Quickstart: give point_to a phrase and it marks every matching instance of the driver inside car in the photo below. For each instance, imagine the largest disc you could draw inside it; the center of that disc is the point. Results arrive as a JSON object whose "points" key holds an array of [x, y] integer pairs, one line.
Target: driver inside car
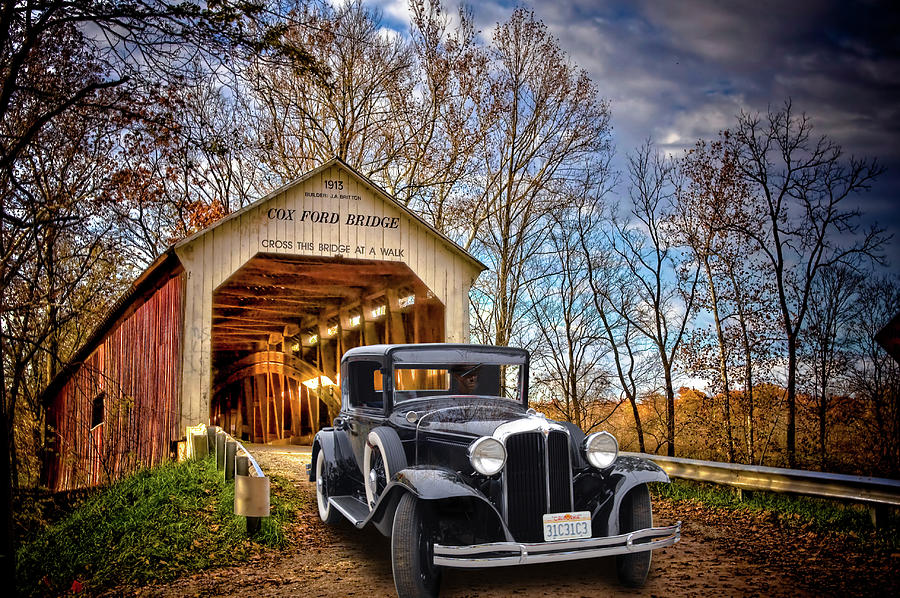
{"points": [[465, 379]]}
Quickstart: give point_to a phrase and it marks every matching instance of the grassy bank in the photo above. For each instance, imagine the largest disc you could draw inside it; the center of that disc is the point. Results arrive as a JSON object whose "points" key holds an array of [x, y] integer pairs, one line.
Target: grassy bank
{"points": [[810, 514], [154, 526]]}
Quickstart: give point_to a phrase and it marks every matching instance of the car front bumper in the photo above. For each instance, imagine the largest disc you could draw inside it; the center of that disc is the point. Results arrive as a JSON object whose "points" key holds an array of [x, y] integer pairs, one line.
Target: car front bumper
{"points": [[501, 554]]}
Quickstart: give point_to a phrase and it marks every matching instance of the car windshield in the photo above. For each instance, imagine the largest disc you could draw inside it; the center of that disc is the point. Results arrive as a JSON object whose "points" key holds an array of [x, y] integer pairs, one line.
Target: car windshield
{"points": [[412, 381]]}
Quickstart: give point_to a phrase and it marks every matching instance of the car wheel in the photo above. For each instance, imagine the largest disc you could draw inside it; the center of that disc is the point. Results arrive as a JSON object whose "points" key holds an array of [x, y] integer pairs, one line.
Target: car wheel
{"points": [[635, 513], [412, 550], [327, 513], [383, 458]]}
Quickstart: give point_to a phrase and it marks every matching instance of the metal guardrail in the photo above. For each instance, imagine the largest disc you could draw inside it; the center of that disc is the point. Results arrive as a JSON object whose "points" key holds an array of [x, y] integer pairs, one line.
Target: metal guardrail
{"points": [[251, 492], [878, 493]]}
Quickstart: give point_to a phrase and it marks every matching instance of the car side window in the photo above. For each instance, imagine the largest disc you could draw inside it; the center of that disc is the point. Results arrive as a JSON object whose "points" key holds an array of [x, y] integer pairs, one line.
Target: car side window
{"points": [[365, 384]]}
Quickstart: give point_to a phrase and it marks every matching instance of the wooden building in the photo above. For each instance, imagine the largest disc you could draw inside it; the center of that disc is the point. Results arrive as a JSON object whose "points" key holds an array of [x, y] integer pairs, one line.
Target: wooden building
{"points": [[243, 325]]}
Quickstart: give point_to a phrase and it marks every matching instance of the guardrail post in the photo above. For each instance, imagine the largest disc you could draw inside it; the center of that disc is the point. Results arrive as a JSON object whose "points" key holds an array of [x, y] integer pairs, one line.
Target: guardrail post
{"points": [[220, 450], [199, 444], [211, 438], [743, 494], [241, 465], [230, 450], [242, 468], [879, 515]]}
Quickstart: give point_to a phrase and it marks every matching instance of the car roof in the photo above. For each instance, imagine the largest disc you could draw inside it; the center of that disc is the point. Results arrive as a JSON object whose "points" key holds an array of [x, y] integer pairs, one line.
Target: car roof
{"points": [[381, 351]]}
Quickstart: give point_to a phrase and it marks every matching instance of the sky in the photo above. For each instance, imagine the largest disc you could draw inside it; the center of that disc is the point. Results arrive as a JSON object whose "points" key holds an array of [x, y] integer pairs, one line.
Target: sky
{"points": [[678, 71]]}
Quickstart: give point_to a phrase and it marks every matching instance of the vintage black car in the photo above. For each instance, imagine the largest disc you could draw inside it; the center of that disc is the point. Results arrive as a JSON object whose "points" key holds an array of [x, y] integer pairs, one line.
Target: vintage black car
{"points": [[435, 445]]}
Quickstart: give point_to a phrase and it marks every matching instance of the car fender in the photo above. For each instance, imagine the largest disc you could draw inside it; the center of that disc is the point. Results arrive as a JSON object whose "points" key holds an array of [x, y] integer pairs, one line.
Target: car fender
{"points": [[628, 472], [426, 483], [339, 453]]}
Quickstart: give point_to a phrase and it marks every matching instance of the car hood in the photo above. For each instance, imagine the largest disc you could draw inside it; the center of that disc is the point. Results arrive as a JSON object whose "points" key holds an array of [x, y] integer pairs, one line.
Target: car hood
{"points": [[473, 419]]}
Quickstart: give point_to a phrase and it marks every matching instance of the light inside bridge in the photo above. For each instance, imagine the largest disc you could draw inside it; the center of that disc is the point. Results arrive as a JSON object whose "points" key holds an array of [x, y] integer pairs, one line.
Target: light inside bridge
{"points": [[313, 383]]}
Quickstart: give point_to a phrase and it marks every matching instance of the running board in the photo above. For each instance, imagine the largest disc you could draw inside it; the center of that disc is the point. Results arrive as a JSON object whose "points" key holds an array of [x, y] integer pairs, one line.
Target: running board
{"points": [[352, 508]]}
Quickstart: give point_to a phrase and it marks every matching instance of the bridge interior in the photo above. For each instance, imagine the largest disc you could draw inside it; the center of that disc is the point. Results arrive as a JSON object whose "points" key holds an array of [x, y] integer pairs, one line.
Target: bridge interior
{"points": [[281, 325]]}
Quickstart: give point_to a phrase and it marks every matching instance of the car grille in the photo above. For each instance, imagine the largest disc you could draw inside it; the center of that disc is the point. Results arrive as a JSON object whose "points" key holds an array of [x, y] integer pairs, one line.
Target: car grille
{"points": [[538, 480]]}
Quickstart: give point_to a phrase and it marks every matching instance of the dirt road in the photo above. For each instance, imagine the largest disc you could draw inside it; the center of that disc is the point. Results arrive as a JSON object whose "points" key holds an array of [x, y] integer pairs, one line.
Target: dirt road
{"points": [[718, 555]]}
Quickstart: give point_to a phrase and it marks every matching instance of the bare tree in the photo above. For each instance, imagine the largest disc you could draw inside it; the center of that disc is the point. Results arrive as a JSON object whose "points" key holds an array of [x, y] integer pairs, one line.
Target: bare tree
{"points": [[825, 342], [570, 355], [343, 109], [803, 185], [447, 113], [658, 297], [552, 127], [709, 206], [751, 312], [875, 375], [605, 275]]}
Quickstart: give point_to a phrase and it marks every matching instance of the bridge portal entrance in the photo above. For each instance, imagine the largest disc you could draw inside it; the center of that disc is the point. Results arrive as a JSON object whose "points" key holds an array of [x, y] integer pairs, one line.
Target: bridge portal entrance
{"points": [[280, 325]]}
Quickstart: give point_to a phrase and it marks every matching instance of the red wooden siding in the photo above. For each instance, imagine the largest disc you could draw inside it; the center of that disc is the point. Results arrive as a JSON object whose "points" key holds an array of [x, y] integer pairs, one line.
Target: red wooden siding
{"points": [[137, 366]]}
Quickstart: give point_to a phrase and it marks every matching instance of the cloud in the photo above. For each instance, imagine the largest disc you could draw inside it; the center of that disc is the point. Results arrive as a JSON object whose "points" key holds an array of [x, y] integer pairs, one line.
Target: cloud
{"points": [[679, 71], [394, 13]]}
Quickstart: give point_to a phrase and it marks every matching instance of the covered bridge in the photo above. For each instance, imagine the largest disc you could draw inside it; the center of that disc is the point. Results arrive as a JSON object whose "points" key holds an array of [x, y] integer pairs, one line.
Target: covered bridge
{"points": [[243, 325]]}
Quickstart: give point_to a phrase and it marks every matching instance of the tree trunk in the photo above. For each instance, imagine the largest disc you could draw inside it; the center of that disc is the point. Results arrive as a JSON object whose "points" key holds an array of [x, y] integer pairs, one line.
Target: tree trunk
{"points": [[749, 391], [637, 422], [792, 403], [823, 411], [723, 364], [7, 543], [670, 410]]}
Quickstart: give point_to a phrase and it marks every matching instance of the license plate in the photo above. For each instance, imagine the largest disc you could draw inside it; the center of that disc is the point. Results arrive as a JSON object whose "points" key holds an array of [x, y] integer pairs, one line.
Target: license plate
{"points": [[567, 526]]}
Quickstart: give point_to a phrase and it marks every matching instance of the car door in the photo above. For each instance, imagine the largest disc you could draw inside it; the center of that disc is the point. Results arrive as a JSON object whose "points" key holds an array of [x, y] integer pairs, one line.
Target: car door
{"points": [[365, 404]]}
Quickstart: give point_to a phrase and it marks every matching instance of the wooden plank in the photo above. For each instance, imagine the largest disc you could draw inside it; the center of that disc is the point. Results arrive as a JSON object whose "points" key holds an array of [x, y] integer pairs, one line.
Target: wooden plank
{"points": [[261, 400], [293, 388], [395, 320], [251, 406]]}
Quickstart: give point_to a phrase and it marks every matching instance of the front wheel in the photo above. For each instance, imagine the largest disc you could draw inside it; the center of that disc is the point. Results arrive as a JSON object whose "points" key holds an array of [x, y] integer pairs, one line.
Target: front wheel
{"points": [[383, 457], [412, 550], [327, 513], [635, 513]]}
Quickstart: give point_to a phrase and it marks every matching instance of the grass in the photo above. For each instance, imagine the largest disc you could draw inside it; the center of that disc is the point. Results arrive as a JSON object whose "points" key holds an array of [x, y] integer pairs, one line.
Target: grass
{"points": [[153, 526], [819, 515]]}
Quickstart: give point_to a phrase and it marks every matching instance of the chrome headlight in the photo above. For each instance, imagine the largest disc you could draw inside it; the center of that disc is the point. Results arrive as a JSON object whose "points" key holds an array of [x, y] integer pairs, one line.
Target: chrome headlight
{"points": [[487, 455], [601, 449]]}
